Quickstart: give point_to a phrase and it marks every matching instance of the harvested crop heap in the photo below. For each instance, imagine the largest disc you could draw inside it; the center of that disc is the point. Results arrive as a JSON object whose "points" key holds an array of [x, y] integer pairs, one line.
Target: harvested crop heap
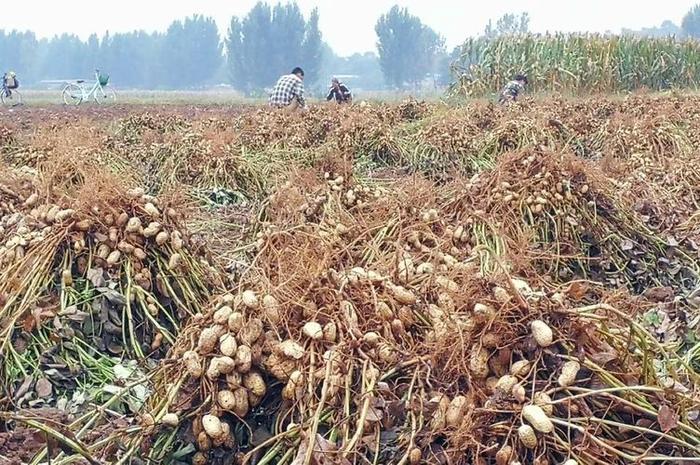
{"points": [[566, 215], [514, 315], [95, 281], [367, 332]]}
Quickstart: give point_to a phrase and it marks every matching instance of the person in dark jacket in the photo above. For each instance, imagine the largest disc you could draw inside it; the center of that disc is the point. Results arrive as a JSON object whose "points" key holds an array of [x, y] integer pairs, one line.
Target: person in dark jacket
{"points": [[513, 89], [339, 92]]}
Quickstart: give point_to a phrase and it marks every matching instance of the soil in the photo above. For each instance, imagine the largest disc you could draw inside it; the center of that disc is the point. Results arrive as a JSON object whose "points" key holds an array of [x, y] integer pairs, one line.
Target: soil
{"points": [[19, 444], [28, 116]]}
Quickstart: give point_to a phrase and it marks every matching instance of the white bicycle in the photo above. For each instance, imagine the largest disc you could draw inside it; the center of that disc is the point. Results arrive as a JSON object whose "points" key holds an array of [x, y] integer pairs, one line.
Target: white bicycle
{"points": [[75, 94]]}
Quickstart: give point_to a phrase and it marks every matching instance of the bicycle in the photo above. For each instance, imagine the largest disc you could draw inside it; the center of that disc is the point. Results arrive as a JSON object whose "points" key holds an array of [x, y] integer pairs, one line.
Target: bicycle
{"points": [[10, 95], [74, 93]]}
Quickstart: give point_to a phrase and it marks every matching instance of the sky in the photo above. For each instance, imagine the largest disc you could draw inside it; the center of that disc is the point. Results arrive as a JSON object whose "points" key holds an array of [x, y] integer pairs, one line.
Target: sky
{"points": [[348, 26]]}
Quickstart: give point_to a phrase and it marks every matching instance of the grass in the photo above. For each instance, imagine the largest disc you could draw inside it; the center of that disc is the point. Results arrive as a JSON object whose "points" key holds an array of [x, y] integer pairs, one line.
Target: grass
{"points": [[36, 97], [50, 97]]}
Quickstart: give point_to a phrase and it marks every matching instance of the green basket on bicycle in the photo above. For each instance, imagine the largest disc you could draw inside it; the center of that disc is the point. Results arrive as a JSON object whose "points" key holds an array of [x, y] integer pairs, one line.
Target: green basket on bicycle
{"points": [[103, 79]]}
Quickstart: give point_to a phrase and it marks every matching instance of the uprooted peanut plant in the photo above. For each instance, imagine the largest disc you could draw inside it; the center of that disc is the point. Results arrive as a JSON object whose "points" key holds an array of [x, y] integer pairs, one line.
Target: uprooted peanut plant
{"points": [[382, 284]]}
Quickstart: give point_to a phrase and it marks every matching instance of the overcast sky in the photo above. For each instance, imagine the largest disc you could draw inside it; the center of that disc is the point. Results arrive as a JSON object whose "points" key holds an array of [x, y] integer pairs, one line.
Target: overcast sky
{"points": [[348, 26]]}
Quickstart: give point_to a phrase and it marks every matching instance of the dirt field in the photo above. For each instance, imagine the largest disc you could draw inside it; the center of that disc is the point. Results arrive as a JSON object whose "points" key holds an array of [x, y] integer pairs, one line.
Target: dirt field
{"points": [[387, 283]]}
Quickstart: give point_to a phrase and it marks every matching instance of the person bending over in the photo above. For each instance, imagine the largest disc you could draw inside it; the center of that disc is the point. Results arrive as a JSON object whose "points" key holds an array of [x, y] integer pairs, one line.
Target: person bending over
{"points": [[288, 93], [339, 92]]}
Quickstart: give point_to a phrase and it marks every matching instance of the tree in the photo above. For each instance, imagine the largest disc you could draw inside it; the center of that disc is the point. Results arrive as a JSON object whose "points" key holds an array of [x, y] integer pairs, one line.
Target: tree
{"points": [[269, 42], [311, 48], [249, 44], [234, 54], [191, 52], [691, 22], [92, 52], [64, 58], [17, 52], [407, 48], [134, 58], [362, 69], [288, 29], [666, 29], [205, 48], [444, 68]]}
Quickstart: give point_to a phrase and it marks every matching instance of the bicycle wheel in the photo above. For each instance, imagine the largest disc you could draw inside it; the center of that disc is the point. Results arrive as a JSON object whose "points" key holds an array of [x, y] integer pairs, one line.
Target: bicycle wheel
{"points": [[72, 94], [106, 96], [14, 99]]}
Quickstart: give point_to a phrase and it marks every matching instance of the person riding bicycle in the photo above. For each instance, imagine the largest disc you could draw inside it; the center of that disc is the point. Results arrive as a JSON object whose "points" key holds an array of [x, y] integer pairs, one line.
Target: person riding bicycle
{"points": [[339, 92], [513, 89], [9, 82]]}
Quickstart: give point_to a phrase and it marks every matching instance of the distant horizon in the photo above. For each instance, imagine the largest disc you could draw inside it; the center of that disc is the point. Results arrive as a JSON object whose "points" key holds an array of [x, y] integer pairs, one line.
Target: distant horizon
{"points": [[351, 30]]}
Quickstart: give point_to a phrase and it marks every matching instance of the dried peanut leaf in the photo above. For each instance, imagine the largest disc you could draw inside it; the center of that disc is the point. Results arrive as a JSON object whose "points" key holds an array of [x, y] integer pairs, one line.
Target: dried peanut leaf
{"points": [[96, 277], [113, 296], [668, 419], [43, 388]]}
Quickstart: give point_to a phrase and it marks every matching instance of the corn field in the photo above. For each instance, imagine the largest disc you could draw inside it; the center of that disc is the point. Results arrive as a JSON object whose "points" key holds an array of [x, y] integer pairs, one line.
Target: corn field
{"points": [[577, 63]]}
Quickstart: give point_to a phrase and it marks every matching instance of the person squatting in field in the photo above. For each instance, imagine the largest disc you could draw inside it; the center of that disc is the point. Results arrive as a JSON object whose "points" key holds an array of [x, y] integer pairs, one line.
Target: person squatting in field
{"points": [[339, 92], [513, 89], [288, 93]]}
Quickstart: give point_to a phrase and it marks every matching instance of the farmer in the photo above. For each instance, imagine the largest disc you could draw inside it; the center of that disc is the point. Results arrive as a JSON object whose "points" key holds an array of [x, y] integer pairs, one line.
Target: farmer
{"points": [[339, 92], [512, 90], [9, 83], [289, 91]]}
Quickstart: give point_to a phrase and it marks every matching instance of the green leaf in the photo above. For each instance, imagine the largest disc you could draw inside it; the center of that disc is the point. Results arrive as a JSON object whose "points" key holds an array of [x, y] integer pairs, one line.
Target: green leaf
{"points": [[183, 452], [652, 318]]}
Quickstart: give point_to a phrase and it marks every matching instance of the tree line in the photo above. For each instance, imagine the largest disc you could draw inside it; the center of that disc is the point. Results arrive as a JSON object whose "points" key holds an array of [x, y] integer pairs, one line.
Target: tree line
{"points": [[268, 41], [188, 53], [256, 49]]}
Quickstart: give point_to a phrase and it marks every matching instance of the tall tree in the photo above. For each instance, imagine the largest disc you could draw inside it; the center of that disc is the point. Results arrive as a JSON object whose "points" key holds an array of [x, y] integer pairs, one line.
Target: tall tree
{"points": [[188, 55], [407, 48], [64, 58], [133, 58], [205, 48], [191, 52], [172, 56], [234, 54], [311, 49], [288, 29], [691, 22], [268, 42], [17, 53], [250, 45], [92, 52]]}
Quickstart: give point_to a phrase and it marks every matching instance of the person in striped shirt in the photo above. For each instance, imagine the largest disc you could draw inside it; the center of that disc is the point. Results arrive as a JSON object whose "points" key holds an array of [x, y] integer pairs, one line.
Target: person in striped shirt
{"points": [[288, 93]]}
